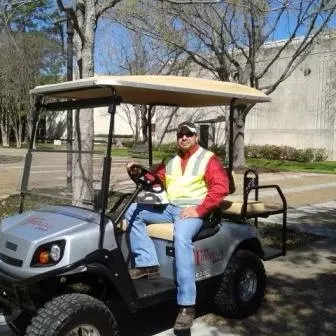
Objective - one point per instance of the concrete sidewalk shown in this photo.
(201, 328)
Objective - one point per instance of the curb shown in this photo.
(200, 328)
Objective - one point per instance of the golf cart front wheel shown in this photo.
(73, 315)
(242, 287)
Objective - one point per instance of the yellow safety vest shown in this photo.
(188, 188)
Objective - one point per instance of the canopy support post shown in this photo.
(231, 119)
(150, 140)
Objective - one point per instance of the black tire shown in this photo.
(67, 312)
(234, 297)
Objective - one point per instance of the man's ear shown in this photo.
(197, 138)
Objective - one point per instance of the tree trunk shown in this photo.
(238, 137)
(144, 123)
(137, 124)
(82, 179)
(4, 127)
(18, 135)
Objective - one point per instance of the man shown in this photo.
(196, 183)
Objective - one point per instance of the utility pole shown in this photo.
(69, 120)
(69, 65)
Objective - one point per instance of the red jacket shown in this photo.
(215, 177)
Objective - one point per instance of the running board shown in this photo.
(272, 253)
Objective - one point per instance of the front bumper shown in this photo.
(11, 295)
(18, 293)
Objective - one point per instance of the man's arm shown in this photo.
(217, 181)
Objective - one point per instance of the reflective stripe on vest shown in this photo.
(189, 188)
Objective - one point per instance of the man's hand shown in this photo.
(132, 168)
(189, 212)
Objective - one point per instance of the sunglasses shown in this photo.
(187, 134)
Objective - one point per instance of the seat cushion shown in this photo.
(235, 207)
(157, 230)
(161, 231)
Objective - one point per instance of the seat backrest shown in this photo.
(232, 186)
(212, 219)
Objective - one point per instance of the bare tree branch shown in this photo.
(103, 5)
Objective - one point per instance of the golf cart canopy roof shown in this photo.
(155, 90)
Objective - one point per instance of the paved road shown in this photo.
(301, 189)
(300, 284)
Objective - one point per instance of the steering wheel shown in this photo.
(141, 175)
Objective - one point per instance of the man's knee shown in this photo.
(185, 230)
(131, 212)
(182, 237)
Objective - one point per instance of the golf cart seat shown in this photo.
(158, 230)
(235, 207)
(165, 231)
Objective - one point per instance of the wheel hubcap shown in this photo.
(248, 285)
(84, 330)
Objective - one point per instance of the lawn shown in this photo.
(326, 167)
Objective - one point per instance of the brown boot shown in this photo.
(141, 272)
(185, 318)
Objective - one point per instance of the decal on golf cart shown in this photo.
(205, 255)
(202, 274)
(37, 223)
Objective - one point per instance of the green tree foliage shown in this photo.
(30, 54)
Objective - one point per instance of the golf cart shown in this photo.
(64, 268)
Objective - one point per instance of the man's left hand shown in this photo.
(189, 212)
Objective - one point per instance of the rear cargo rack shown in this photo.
(251, 183)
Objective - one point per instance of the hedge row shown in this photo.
(287, 153)
(268, 152)
(168, 148)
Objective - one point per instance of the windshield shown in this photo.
(51, 172)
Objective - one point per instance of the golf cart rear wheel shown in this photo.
(73, 315)
(242, 287)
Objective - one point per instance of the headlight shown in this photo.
(48, 254)
(55, 253)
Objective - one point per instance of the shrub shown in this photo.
(286, 153)
(168, 148)
(320, 154)
(128, 143)
(219, 150)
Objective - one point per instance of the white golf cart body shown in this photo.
(87, 237)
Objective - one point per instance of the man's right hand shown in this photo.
(133, 168)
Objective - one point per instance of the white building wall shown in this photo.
(303, 108)
(302, 113)
(102, 122)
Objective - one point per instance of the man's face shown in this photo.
(186, 139)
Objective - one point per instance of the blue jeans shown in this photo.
(137, 216)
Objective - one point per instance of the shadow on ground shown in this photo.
(310, 219)
(300, 297)
(300, 300)
(291, 307)
(294, 307)
(10, 159)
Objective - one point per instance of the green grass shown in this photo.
(100, 149)
(328, 167)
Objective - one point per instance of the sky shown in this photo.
(110, 36)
